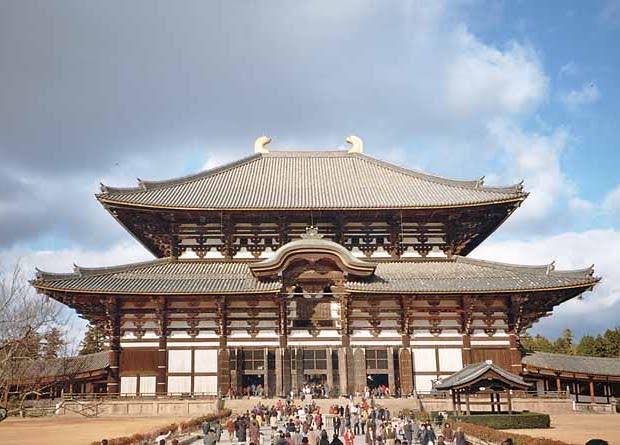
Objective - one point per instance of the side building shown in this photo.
(292, 267)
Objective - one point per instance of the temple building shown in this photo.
(289, 267)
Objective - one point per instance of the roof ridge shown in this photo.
(150, 185)
(80, 272)
(476, 184)
(573, 355)
(543, 269)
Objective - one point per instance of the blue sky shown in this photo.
(513, 91)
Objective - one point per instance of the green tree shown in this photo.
(93, 340)
(54, 343)
(564, 343)
(537, 343)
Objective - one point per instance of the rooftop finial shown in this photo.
(357, 145)
(259, 144)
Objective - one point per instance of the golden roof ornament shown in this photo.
(312, 232)
(357, 145)
(260, 144)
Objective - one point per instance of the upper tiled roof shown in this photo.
(573, 363)
(309, 180)
(469, 275)
(471, 373)
(171, 276)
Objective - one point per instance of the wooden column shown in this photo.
(405, 363)
(391, 376)
(467, 359)
(266, 370)
(279, 372)
(515, 356)
(114, 331)
(359, 368)
(223, 354)
(345, 353)
(509, 396)
(592, 396)
(162, 348)
(330, 371)
(558, 383)
(467, 406)
(280, 355)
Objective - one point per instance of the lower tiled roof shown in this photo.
(573, 363)
(27, 370)
(440, 275)
(473, 372)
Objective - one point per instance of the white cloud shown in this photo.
(534, 158)
(588, 94)
(568, 69)
(597, 310)
(611, 202)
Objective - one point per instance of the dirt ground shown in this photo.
(75, 431)
(578, 428)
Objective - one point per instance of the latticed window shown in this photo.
(376, 359)
(315, 359)
(254, 359)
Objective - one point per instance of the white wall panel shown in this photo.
(205, 384)
(129, 385)
(179, 384)
(148, 384)
(450, 359)
(179, 360)
(424, 359)
(205, 360)
(424, 382)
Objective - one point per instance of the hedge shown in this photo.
(496, 436)
(189, 425)
(514, 421)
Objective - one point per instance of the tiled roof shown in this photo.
(441, 275)
(163, 276)
(56, 367)
(309, 180)
(468, 275)
(573, 363)
(471, 373)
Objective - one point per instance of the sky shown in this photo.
(112, 91)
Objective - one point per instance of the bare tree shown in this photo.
(24, 316)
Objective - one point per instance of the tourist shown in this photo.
(281, 439)
(209, 439)
(324, 440)
(508, 441)
(349, 437)
(428, 435)
(254, 432)
(459, 437)
(448, 433)
(230, 427)
(162, 436)
(313, 437)
(336, 440)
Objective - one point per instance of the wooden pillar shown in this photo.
(359, 367)
(114, 317)
(499, 402)
(453, 402)
(162, 347)
(467, 358)
(405, 365)
(467, 406)
(266, 371)
(458, 402)
(492, 403)
(592, 396)
(558, 384)
(515, 356)
(224, 380)
(391, 376)
(279, 372)
(345, 353)
(330, 370)
(509, 396)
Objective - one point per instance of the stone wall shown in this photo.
(138, 408)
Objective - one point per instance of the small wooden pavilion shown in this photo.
(480, 379)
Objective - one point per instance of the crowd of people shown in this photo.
(305, 424)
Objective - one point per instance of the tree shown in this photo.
(564, 344)
(54, 343)
(93, 340)
(537, 343)
(24, 316)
